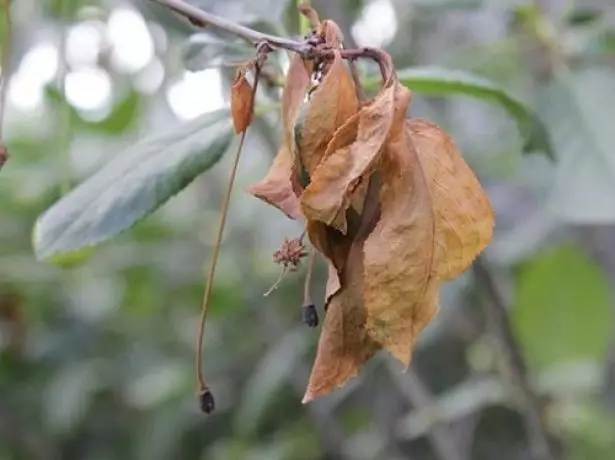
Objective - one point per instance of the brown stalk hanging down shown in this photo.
(242, 107)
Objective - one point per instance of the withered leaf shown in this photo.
(331, 33)
(422, 223)
(330, 106)
(387, 290)
(340, 171)
(242, 102)
(463, 214)
(298, 80)
(281, 186)
(344, 345)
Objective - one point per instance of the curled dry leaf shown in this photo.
(389, 203)
(434, 219)
(463, 216)
(242, 101)
(337, 176)
(344, 344)
(330, 106)
(331, 34)
(281, 187)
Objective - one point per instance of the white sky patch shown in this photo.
(377, 25)
(88, 89)
(133, 47)
(196, 93)
(37, 68)
(149, 79)
(25, 92)
(83, 43)
(41, 62)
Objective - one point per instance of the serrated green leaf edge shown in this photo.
(68, 211)
(439, 81)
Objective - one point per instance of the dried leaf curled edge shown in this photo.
(434, 220)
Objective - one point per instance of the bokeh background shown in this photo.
(96, 356)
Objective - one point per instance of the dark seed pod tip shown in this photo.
(309, 315)
(207, 401)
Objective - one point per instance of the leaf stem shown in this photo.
(212, 270)
(207, 401)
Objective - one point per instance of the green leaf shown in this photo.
(562, 311)
(438, 81)
(132, 185)
(579, 109)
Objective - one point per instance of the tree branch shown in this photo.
(516, 369)
(204, 19)
(308, 48)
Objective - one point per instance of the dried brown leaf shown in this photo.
(242, 102)
(344, 345)
(331, 33)
(422, 224)
(463, 214)
(298, 80)
(330, 106)
(341, 171)
(280, 187)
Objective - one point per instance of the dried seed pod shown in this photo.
(207, 401)
(309, 315)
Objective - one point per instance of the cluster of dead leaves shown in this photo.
(388, 202)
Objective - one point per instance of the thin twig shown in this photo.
(198, 16)
(306, 48)
(356, 78)
(529, 404)
(277, 283)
